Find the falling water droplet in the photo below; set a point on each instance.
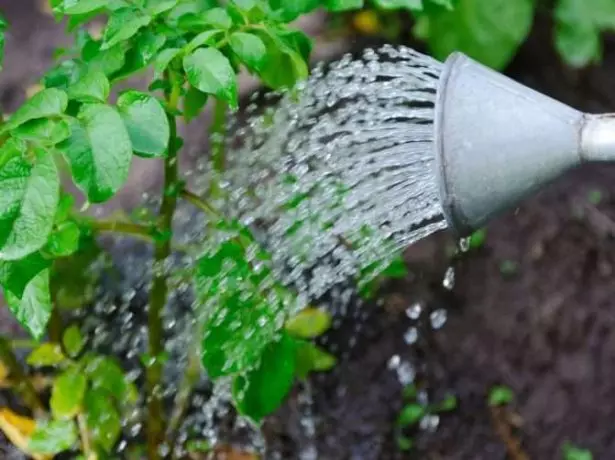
(438, 318)
(414, 311)
(449, 279)
(411, 335)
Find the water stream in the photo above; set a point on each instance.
(340, 173)
(335, 179)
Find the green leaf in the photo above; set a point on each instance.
(65, 206)
(500, 396)
(67, 393)
(311, 358)
(53, 437)
(47, 354)
(156, 7)
(108, 61)
(107, 375)
(146, 122)
(261, 391)
(15, 275)
(404, 443)
(92, 86)
(410, 415)
(73, 7)
(309, 323)
(63, 75)
(29, 196)
(242, 322)
(45, 131)
(250, 49)
(297, 41)
(410, 391)
(64, 240)
(290, 10)
(282, 56)
(164, 59)
(144, 49)
(73, 341)
(194, 101)
(99, 151)
(184, 8)
(123, 24)
(415, 5)
(11, 149)
(204, 38)
(448, 4)
(343, 5)
(478, 238)
(448, 404)
(46, 103)
(72, 278)
(579, 25)
(489, 31)
(218, 18)
(3, 27)
(102, 418)
(396, 269)
(572, 452)
(228, 349)
(210, 71)
(147, 47)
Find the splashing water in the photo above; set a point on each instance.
(340, 173)
(335, 179)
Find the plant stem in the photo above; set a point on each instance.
(85, 436)
(191, 377)
(159, 292)
(126, 228)
(55, 327)
(25, 344)
(23, 385)
(218, 132)
(200, 203)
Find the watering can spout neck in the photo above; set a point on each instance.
(598, 138)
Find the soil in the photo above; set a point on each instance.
(546, 329)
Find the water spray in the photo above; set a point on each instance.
(497, 141)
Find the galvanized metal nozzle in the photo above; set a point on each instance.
(497, 141)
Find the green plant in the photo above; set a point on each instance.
(477, 239)
(491, 31)
(509, 268)
(416, 410)
(571, 452)
(195, 49)
(500, 395)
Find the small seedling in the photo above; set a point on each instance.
(414, 411)
(478, 238)
(571, 452)
(595, 197)
(509, 268)
(500, 395)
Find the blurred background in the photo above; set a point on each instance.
(532, 303)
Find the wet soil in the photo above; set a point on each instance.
(545, 329)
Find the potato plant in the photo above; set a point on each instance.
(194, 48)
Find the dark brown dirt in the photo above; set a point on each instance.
(547, 331)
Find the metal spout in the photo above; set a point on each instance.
(497, 141)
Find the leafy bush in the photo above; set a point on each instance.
(195, 49)
(491, 31)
